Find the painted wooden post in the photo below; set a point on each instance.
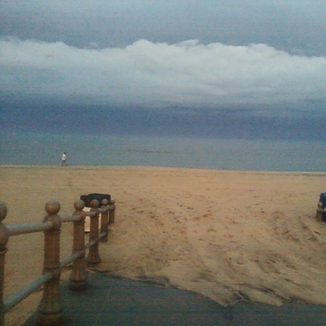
(4, 237)
(105, 220)
(112, 212)
(93, 254)
(50, 311)
(78, 277)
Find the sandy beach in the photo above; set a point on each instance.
(229, 235)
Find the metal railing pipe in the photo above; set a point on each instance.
(70, 218)
(64, 262)
(22, 294)
(18, 229)
(94, 241)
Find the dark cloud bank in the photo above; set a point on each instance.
(249, 69)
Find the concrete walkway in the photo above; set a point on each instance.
(114, 301)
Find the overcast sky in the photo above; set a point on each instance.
(245, 58)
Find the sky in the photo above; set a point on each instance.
(222, 68)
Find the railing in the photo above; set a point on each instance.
(50, 310)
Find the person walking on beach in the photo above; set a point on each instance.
(64, 159)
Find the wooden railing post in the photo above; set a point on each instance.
(93, 254)
(4, 236)
(112, 212)
(78, 277)
(105, 220)
(50, 308)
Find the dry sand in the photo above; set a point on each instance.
(229, 235)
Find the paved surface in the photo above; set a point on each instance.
(115, 301)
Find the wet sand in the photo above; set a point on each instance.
(229, 235)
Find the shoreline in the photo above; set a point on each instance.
(147, 167)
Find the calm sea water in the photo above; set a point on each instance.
(257, 155)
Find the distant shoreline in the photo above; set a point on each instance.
(145, 167)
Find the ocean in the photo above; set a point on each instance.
(130, 150)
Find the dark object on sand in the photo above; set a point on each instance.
(322, 207)
(324, 217)
(322, 199)
(88, 198)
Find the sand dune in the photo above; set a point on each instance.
(229, 235)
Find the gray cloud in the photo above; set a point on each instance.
(252, 57)
(295, 26)
(160, 75)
